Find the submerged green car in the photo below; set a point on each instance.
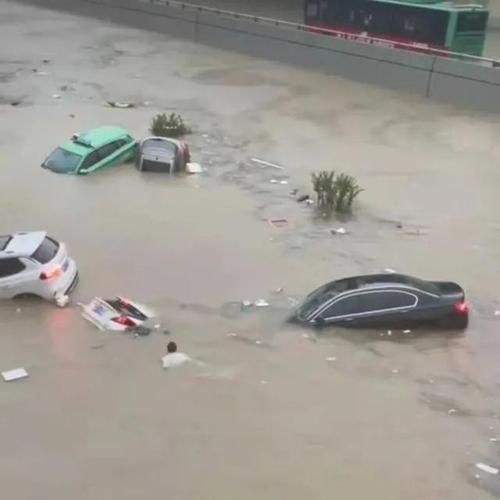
(98, 148)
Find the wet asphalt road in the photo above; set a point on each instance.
(391, 418)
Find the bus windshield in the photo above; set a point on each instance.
(472, 21)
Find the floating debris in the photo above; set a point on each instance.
(406, 331)
(16, 374)
(261, 303)
(278, 290)
(395, 371)
(193, 168)
(331, 358)
(304, 197)
(389, 270)
(340, 230)
(267, 164)
(451, 411)
(487, 468)
(120, 105)
(279, 223)
(56, 96)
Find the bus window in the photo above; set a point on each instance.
(472, 21)
(382, 19)
(312, 10)
(419, 25)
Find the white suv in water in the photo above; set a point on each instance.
(33, 264)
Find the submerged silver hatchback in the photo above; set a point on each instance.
(35, 265)
(162, 154)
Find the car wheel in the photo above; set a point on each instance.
(27, 296)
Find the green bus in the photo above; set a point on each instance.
(418, 25)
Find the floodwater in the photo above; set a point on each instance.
(392, 417)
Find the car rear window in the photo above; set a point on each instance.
(46, 251)
(160, 144)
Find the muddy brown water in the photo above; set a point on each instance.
(392, 417)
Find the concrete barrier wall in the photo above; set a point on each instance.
(439, 78)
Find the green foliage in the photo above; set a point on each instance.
(169, 126)
(334, 192)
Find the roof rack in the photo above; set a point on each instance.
(78, 139)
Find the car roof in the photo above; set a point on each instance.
(21, 244)
(382, 280)
(160, 138)
(92, 139)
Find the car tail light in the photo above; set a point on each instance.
(53, 272)
(123, 320)
(461, 307)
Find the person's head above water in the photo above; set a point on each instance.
(171, 347)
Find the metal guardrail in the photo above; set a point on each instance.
(484, 61)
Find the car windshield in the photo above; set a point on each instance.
(4, 241)
(46, 251)
(320, 295)
(61, 160)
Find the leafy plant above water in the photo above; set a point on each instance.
(334, 192)
(172, 125)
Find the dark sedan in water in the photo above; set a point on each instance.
(385, 300)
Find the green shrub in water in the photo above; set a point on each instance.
(334, 192)
(169, 126)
